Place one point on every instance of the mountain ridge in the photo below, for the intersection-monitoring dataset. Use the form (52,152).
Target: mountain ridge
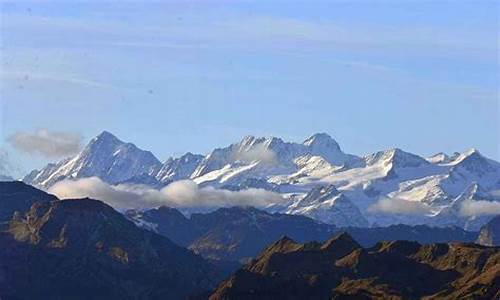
(293,170)
(83,248)
(341,269)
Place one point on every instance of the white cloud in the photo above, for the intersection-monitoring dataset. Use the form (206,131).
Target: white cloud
(47,143)
(480,207)
(180,194)
(258,152)
(399,206)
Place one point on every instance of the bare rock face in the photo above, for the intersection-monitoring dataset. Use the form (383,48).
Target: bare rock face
(82,249)
(339,268)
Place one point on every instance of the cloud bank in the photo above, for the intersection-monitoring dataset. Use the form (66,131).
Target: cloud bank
(480,208)
(258,152)
(179,194)
(399,206)
(51,144)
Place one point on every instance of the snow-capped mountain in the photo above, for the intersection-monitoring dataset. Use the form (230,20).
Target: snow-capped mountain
(327,204)
(265,157)
(457,213)
(179,168)
(315,177)
(106,157)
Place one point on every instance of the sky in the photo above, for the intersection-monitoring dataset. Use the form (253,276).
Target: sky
(178,76)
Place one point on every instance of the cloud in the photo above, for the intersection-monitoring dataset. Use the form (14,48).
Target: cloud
(399,206)
(179,194)
(495,193)
(480,207)
(52,144)
(258,152)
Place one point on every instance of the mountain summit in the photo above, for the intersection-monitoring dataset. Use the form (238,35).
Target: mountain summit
(105,156)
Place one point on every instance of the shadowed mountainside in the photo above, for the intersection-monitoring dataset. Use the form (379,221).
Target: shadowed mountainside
(81,249)
(240,233)
(340,268)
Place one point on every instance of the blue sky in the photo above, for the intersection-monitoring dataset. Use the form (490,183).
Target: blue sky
(193,75)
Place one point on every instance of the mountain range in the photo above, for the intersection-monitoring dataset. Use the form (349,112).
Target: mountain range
(238,234)
(340,268)
(84,249)
(315,178)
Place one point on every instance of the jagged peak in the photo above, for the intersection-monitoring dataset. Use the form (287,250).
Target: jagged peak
(272,141)
(104,139)
(282,245)
(189,155)
(342,237)
(247,140)
(184,158)
(106,135)
(340,244)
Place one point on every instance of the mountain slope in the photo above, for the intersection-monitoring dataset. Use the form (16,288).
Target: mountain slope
(339,268)
(179,168)
(81,249)
(327,204)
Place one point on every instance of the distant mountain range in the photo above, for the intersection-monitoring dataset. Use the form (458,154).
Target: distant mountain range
(315,177)
(240,233)
(340,268)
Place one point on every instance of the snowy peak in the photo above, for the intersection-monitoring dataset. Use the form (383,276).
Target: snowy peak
(321,141)
(113,160)
(322,144)
(273,152)
(106,157)
(397,158)
(106,137)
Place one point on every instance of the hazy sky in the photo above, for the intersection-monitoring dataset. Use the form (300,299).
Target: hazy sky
(192,75)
